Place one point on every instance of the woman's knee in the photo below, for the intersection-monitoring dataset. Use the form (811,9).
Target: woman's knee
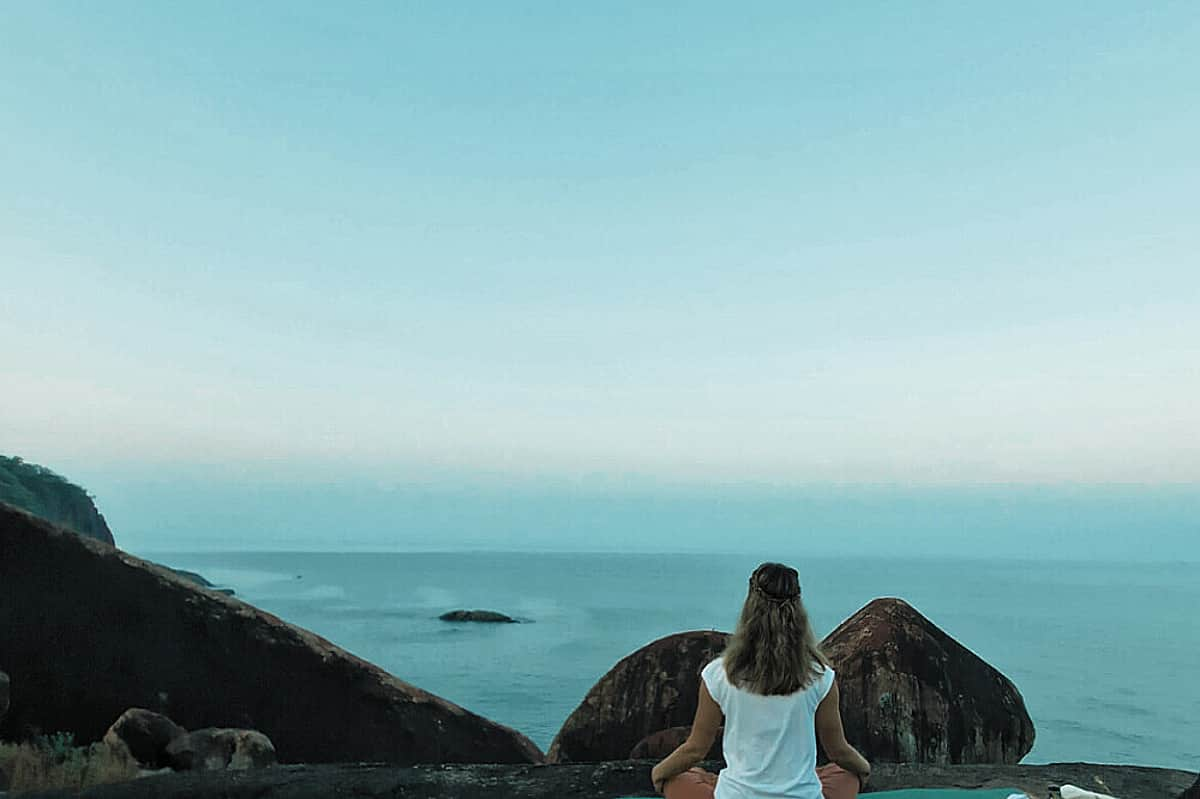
(692,784)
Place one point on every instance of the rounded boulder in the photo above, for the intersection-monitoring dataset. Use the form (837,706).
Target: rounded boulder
(145,734)
(658,745)
(912,694)
(655,688)
(221,749)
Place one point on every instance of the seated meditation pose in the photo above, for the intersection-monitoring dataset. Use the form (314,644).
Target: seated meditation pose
(777,694)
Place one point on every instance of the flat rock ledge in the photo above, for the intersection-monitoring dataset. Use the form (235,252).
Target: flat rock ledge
(606,780)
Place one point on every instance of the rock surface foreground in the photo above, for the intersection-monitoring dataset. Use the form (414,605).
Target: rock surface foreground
(912,694)
(598,781)
(90,631)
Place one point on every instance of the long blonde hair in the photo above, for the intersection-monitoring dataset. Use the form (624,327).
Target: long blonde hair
(773,650)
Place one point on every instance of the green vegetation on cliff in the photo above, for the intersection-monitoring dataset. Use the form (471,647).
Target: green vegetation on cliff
(51,496)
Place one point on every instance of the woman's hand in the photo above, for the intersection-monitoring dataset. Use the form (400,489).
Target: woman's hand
(699,741)
(863,777)
(657,778)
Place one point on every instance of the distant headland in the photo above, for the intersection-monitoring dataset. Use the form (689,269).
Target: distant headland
(52,497)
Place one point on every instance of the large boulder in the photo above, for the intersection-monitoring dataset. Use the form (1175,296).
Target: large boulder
(214,749)
(145,734)
(90,631)
(655,688)
(910,693)
(658,745)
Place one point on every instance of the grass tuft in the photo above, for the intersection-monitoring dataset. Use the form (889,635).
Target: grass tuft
(55,763)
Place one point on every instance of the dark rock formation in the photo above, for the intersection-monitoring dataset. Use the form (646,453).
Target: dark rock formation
(595,781)
(658,745)
(4,690)
(655,688)
(89,631)
(52,497)
(145,734)
(489,616)
(215,749)
(1193,792)
(910,693)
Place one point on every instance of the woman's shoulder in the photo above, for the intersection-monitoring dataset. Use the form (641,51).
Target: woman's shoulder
(714,670)
(715,679)
(825,676)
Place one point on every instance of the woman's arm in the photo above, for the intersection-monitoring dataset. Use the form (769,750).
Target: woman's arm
(699,742)
(833,737)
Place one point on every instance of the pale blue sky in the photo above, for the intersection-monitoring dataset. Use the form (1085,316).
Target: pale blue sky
(688,243)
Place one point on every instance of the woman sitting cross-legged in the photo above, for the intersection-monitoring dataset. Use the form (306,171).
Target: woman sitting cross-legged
(777,694)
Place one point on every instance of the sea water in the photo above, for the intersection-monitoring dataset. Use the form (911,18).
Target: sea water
(1106,655)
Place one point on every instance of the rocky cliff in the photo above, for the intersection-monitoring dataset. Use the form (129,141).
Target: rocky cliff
(52,497)
(90,631)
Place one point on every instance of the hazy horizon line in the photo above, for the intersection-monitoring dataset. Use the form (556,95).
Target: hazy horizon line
(146,554)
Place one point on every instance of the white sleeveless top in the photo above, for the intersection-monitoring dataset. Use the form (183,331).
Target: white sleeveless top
(770,742)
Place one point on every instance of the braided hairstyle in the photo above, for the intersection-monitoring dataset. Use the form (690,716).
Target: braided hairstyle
(773,650)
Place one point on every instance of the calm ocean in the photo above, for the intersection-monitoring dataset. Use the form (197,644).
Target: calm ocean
(1106,655)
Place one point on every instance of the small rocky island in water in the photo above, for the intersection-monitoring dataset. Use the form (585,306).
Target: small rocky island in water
(485,616)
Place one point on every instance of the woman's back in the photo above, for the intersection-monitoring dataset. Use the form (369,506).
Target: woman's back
(777,694)
(770,741)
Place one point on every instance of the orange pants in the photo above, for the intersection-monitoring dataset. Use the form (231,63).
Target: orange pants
(836,783)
